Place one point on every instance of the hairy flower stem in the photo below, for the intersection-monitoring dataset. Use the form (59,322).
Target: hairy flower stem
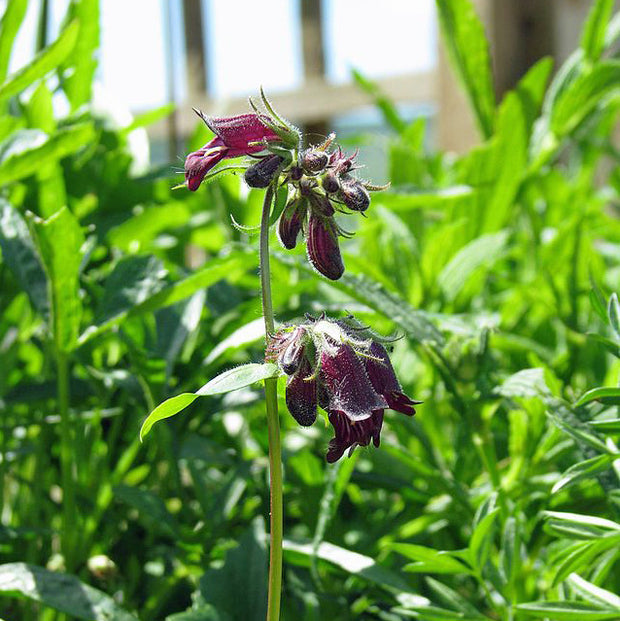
(273,426)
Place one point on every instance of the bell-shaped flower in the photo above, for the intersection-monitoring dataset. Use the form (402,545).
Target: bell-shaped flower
(235,136)
(342,367)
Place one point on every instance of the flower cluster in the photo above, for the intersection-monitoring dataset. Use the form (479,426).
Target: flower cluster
(319,179)
(343,368)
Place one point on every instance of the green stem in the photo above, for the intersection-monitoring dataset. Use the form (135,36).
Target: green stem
(273,427)
(66,462)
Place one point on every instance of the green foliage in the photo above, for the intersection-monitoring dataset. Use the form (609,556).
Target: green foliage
(496,271)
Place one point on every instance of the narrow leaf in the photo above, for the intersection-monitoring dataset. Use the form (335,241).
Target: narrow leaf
(239,377)
(463,35)
(234,379)
(20,255)
(593,36)
(483,250)
(429,559)
(605,394)
(60,240)
(568,611)
(12,19)
(613,313)
(42,63)
(582,470)
(21,160)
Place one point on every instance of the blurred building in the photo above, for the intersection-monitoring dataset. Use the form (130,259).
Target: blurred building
(212,54)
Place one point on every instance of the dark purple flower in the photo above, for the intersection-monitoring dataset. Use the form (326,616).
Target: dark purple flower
(291,222)
(261,174)
(235,136)
(323,249)
(342,367)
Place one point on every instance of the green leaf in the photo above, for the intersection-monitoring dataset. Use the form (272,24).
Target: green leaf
(245,335)
(151,509)
(239,588)
(148,118)
(215,270)
(205,612)
(453,599)
(610,425)
(388,109)
(593,35)
(60,240)
(588,91)
(61,592)
(580,526)
(484,250)
(29,150)
(582,470)
(613,313)
(234,379)
(168,408)
(239,377)
(594,594)
(83,60)
(414,322)
(133,280)
(481,539)
(43,63)
(605,394)
(20,255)
(429,560)
(463,35)
(526,383)
(402,199)
(568,611)
(353,563)
(597,299)
(14,14)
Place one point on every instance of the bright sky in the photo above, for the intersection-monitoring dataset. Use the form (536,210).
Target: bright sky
(248,43)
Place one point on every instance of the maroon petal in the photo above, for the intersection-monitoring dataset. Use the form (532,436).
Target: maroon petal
(301,395)
(199,163)
(238,131)
(323,249)
(349,434)
(384,381)
(290,223)
(343,376)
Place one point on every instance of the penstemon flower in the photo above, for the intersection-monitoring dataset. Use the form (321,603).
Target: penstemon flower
(342,367)
(319,179)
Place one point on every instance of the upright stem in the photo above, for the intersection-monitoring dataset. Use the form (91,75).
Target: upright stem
(66,462)
(273,427)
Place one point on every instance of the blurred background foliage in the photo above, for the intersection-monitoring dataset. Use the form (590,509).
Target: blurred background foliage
(500,500)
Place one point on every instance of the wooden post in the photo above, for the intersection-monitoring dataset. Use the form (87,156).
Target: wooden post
(313,58)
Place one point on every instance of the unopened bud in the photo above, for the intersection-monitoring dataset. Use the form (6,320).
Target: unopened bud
(323,249)
(314,161)
(290,223)
(330,183)
(321,204)
(354,195)
(261,174)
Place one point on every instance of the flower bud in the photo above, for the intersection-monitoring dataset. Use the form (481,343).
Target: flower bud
(296,172)
(321,204)
(323,249)
(290,223)
(354,195)
(261,174)
(330,183)
(301,397)
(291,357)
(314,161)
